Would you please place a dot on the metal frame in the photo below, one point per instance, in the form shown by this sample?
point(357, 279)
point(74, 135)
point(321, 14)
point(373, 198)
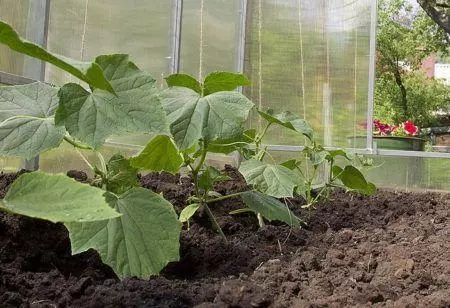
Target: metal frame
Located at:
point(11, 79)
point(177, 17)
point(38, 32)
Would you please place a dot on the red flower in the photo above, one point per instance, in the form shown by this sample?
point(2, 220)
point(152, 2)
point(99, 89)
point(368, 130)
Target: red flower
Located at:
point(382, 128)
point(410, 128)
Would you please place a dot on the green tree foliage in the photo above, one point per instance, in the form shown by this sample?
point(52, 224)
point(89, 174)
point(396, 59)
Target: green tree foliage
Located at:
point(405, 38)
point(439, 11)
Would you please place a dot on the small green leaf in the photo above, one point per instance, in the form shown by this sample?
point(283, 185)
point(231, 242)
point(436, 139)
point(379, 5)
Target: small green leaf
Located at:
point(27, 125)
point(223, 81)
point(335, 153)
point(217, 116)
point(86, 71)
point(226, 146)
point(160, 154)
point(183, 80)
point(353, 179)
point(337, 171)
point(121, 175)
point(274, 180)
point(270, 208)
point(188, 212)
point(288, 120)
point(211, 176)
point(57, 198)
point(318, 157)
point(140, 242)
point(290, 164)
point(92, 117)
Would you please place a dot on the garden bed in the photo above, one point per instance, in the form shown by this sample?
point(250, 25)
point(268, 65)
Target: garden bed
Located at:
point(391, 249)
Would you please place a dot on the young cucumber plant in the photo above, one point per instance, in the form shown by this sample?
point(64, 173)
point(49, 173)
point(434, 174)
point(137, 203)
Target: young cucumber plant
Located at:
point(203, 118)
point(289, 179)
point(135, 230)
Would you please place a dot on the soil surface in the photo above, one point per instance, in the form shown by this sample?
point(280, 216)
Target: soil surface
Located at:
point(388, 250)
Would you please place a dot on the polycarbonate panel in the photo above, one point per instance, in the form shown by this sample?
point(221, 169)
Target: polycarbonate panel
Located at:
point(212, 46)
point(14, 13)
point(66, 158)
point(410, 173)
point(85, 29)
point(311, 58)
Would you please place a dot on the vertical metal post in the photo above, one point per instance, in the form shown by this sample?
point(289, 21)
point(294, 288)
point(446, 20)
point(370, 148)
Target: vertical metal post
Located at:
point(37, 32)
point(176, 35)
point(372, 66)
point(240, 56)
point(241, 31)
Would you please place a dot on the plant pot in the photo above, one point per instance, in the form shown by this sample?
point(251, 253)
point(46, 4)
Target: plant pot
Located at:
point(390, 142)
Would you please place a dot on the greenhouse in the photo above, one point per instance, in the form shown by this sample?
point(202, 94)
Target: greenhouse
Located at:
point(224, 153)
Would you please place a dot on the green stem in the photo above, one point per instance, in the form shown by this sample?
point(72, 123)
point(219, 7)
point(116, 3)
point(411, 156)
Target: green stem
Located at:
point(76, 144)
point(102, 162)
point(260, 220)
point(85, 160)
point(259, 138)
point(214, 222)
point(225, 197)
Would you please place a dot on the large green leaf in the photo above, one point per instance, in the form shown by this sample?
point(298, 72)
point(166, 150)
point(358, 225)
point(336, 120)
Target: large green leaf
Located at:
point(27, 125)
point(223, 81)
point(270, 208)
point(140, 242)
point(121, 176)
point(57, 198)
point(274, 180)
point(92, 117)
point(86, 71)
point(192, 117)
point(288, 120)
point(160, 154)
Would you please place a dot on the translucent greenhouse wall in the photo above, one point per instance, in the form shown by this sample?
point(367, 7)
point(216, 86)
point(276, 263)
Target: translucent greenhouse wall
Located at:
point(309, 57)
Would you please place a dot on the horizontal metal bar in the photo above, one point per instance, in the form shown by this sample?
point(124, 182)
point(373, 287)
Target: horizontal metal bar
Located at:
point(291, 148)
point(11, 79)
point(380, 152)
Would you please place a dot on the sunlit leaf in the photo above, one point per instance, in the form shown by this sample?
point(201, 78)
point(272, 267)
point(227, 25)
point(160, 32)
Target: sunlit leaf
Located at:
point(57, 198)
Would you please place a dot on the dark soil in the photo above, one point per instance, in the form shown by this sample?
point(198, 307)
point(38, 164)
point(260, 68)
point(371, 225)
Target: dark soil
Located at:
point(388, 250)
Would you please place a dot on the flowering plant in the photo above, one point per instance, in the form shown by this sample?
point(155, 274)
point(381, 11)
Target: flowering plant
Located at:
point(403, 129)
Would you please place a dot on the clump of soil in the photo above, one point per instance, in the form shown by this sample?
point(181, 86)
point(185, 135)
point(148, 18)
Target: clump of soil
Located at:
point(388, 250)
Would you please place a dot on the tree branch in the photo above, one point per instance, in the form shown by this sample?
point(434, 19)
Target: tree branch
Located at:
point(441, 17)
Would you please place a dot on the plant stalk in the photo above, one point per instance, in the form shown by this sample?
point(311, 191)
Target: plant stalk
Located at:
point(214, 222)
point(225, 197)
point(76, 144)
